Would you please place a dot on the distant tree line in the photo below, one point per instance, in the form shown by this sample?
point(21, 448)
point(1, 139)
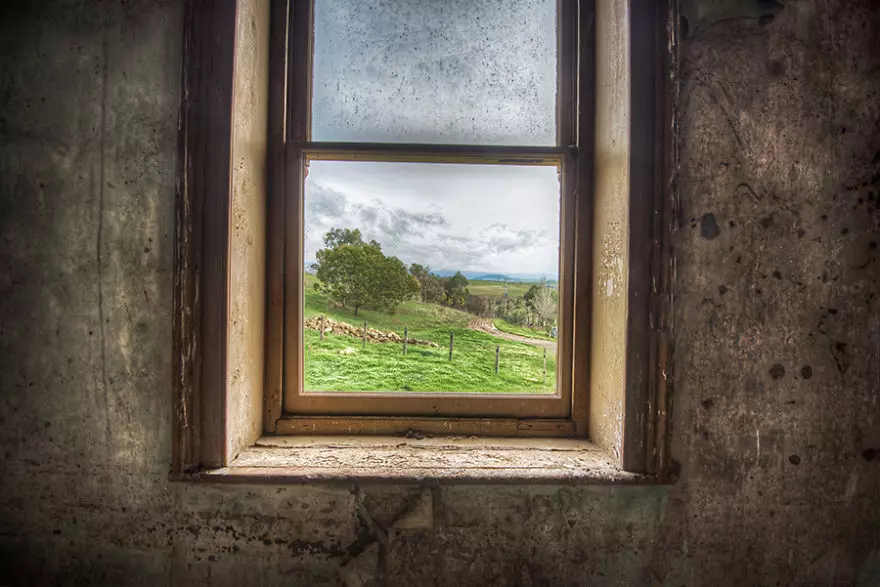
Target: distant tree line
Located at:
point(446, 291)
point(539, 306)
point(356, 273)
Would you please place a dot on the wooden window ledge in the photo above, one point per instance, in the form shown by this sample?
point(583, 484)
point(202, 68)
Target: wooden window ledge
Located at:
point(449, 460)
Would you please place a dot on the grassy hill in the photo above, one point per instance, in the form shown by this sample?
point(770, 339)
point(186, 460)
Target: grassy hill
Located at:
point(497, 289)
point(527, 331)
point(338, 363)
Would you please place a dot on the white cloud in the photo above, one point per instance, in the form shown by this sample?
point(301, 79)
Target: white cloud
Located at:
point(498, 219)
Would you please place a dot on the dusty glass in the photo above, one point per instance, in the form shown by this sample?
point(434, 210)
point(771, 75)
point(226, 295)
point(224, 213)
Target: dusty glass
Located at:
point(435, 71)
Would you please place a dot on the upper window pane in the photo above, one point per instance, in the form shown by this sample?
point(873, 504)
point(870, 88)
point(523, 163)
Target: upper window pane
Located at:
point(435, 71)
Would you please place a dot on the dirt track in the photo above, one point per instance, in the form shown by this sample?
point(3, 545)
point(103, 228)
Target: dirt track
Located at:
point(484, 325)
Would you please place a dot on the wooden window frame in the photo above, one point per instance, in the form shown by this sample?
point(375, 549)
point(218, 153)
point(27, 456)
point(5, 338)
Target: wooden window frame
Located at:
point(201, 272)
point(390, 412)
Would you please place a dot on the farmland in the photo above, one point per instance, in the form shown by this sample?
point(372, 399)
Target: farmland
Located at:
point(340, 363)
point(497, 289)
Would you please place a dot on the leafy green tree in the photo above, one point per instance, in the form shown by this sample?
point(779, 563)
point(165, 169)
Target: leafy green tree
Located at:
point(433, 291)
point(394, 284)
point(480, 306)
point(456, 290)
point(420, 272)
point(431, 288)
point(345, 236)
point(357, 274)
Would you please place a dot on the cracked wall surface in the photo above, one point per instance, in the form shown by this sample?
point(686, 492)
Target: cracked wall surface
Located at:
point(777, 344)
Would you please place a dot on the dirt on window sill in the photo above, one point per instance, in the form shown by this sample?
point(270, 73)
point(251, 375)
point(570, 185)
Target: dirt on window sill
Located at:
point(446, 460)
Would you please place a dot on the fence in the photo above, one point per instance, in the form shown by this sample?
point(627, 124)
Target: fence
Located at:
point(405, 340)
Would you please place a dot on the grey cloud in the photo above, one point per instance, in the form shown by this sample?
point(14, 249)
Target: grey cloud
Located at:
point(368, 214)
point(512, 241)
point(386, 224)
point(456, 238)
point(323, 203)
point(422, 218)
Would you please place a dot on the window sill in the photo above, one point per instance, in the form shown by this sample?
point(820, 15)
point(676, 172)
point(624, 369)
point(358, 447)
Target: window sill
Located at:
point(447, 460)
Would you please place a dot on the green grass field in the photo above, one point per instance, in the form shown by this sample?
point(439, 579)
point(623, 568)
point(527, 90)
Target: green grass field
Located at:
point(497, 289)
point(505, 326)
point(338, 363)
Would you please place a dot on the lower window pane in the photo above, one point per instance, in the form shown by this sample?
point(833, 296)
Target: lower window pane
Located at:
point(430, 277)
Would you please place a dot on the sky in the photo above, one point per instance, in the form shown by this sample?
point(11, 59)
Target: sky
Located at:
point(487, 218)
point(429, 71)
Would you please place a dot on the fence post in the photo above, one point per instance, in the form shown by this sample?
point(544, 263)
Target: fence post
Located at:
point(364, 345)
point(322, 326)
point(451, 343)
point(545, 365)
point(405, 335)
point(497, 353)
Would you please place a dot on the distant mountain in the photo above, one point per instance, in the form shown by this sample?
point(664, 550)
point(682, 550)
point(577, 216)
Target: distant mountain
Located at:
point(533, 277)
point(477, 275)
point(483, 276)
point(492, 277)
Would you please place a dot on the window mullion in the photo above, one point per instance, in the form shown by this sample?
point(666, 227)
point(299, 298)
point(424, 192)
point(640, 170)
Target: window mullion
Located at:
point(428, 153)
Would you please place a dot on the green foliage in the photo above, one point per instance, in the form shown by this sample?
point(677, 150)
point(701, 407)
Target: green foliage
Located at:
point(345, 236)
point(394, 285)
point(357, 274)
point(456, 290)
point(530, 294)
point(430, 286)
point(480, 306)
point(546, 306)
point(540, 306)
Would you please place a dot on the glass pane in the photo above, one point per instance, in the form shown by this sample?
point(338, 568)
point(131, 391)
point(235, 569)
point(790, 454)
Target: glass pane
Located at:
point(434, 254)
point(435, 71)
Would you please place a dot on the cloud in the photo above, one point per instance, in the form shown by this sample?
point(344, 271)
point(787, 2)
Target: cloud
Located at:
point(398, 223)
point(423, 219)
point(455, 232)
point(324, 203)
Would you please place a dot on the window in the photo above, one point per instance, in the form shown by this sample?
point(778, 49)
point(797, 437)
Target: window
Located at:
point(547, 116)
point(413, 123)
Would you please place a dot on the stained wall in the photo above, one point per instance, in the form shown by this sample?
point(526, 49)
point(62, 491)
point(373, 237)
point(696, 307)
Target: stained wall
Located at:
point(777, 407)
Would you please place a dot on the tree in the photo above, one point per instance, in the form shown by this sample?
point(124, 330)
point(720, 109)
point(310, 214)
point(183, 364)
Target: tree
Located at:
point(541, 303)
point(480, 306)
point(545, 305)
point(515, 311)
point(356, 273)
point(394, 284)
point(456, 290)
point(431, 288)
point(344, 236)
point(420, 272)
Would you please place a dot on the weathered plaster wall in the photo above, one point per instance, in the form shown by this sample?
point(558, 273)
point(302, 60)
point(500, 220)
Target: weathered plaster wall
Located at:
point(247, 264)
point(777, 372)
point(611, 235)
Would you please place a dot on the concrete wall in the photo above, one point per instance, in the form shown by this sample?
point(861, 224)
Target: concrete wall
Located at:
point(777, 426)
